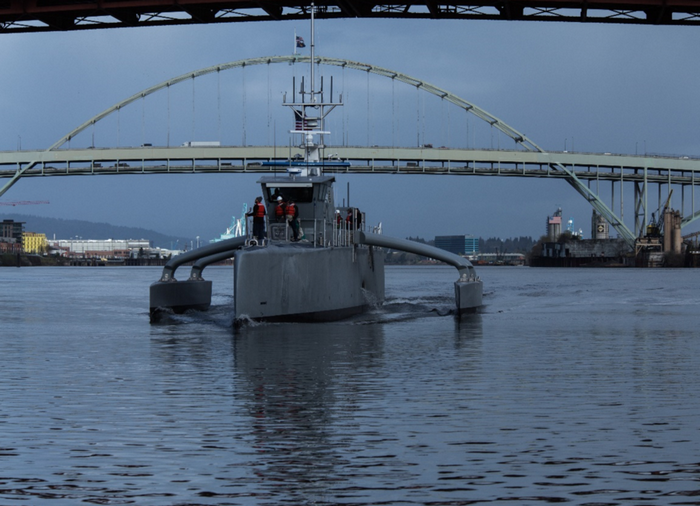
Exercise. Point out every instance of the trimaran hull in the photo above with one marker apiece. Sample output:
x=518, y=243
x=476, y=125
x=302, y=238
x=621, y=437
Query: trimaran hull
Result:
x=301, y=283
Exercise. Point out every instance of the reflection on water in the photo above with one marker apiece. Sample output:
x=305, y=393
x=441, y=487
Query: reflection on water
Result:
x=575, y=386
x=300, y=397
x=319, y=412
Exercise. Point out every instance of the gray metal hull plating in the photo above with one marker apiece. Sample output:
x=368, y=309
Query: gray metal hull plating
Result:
x=180, y=296
x=468, y=296
x=301, y=283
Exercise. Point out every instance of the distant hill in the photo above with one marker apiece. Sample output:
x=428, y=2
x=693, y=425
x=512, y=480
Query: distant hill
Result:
x=65, y=229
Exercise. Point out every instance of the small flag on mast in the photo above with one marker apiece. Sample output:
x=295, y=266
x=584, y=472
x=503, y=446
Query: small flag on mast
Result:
x=300, y=42
x=301, y=123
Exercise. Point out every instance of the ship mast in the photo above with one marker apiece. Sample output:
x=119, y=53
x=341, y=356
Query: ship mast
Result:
x=313, y=45
x=309, y=116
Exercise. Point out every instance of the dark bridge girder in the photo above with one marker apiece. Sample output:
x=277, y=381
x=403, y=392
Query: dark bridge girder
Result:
x=64, y=15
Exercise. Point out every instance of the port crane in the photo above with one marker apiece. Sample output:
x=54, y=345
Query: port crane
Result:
x=24, y=202
x=656, y=227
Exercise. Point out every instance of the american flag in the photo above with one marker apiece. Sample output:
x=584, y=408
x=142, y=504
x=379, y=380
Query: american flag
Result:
x=300, y=123
x=300, y=42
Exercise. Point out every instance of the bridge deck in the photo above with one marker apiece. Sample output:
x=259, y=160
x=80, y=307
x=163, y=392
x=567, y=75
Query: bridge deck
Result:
x=375, y=160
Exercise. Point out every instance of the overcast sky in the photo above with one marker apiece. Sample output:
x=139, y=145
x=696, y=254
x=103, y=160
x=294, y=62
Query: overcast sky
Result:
x=594, y=88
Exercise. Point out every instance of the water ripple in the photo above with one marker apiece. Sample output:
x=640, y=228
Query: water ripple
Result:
x=567, y=389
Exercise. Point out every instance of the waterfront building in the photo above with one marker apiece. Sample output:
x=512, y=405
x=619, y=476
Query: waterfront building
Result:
x=11, y=236
x=35, y=242
x=579, y=252
x=458, y=244
x=114, y=248
x=498, y=259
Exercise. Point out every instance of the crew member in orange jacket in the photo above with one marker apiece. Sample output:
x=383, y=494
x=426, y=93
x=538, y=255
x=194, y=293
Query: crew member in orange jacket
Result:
x=258, y=214
x=292, y=213
x=280, y=210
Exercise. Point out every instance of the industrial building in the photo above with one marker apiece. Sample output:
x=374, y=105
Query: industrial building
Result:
x=554, y=226
x=576, y=251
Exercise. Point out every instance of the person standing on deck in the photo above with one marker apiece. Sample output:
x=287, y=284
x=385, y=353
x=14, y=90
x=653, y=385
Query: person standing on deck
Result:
x=354, y=218
x=292, y=213
x=258, y=214
x=280, y=210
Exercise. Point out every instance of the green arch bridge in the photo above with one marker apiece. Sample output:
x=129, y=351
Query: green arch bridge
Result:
x=585, y=172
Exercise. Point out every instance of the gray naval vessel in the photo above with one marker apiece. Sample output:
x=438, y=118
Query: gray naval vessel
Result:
x=333, y=270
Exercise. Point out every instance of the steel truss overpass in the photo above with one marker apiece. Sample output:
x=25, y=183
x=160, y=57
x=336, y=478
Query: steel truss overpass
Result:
x=584, y=172
x=64, y=15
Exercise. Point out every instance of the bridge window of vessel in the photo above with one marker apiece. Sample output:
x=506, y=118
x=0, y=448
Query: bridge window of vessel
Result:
x=297, y=194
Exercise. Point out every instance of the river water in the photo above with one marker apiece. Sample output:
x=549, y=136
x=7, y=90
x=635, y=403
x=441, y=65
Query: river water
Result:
x=573, y=385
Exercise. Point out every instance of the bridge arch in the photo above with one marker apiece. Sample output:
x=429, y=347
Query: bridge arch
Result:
x=519, y=138
x=483, y=115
